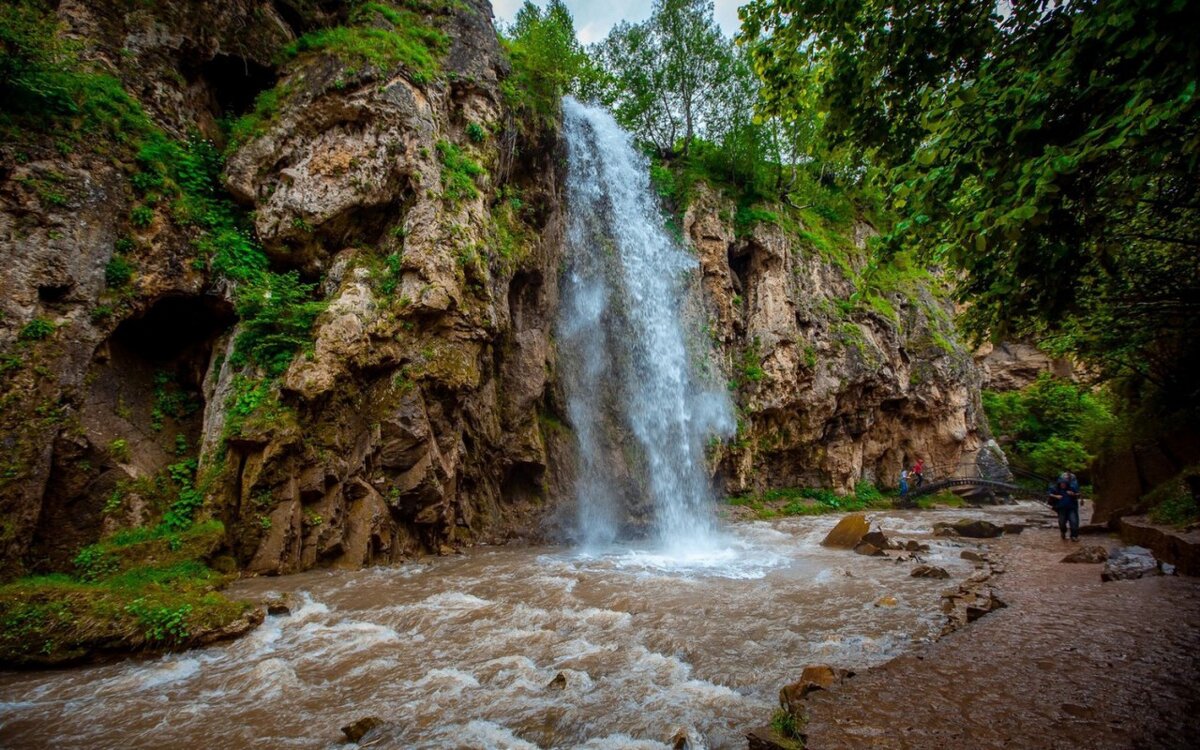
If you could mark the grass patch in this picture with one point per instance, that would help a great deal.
(811, 501)
(380, 37)
(143, 589)
(940, 500)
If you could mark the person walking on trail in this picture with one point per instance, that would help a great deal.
(1065, 501)
(904, 484)
(918, 472)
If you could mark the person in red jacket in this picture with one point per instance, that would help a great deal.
(918, 474)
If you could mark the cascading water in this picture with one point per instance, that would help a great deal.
(634, 400)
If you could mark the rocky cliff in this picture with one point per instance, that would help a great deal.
(294, 266)
(842, 373)
(387, 190)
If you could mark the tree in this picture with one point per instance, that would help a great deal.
(666, 74)
(1050, 153)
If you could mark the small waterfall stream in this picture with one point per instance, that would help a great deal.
(634, 401)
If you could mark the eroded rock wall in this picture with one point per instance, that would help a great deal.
(829, 393)
(420, 415)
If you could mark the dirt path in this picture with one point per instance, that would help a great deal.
(1071, 663)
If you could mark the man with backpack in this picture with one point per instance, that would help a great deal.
(1063, 496)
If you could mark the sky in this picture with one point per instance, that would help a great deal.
(593, 18)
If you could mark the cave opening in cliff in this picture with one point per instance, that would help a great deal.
(142, 410)
(236, 82)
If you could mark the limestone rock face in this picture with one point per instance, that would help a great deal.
(1010, 366)
(421, 414)
(834, 396)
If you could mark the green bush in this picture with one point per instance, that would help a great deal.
(117, 272)
(36, 330)
(1051, 426)
(276, 316)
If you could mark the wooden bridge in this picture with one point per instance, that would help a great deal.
(972, 487)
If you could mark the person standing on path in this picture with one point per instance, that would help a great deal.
(1065, 502)
(903, 484)
(918, 472)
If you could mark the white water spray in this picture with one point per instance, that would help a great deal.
(640, 414)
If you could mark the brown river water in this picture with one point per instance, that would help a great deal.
(458, 652)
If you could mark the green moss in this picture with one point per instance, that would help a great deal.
(458, 173)
(406, 41)
(149, 589)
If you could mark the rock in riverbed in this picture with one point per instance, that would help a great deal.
(929, 571)
(1129, 563)
(968, 528)
(848, 532)
(361, 728)
(1093, 553)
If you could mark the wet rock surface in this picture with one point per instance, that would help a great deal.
(1093, 553)
(1069, 663)
(1130, 563)
(848, 532)
(970, 528)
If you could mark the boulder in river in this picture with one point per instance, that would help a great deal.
(848, 532)
(971, 529)
(680, 740)
(868, 549)
(983, 605)
(359, 729)
(912, 545)
(973, 556)
(887, 601)
(929, 571)
(1093, 553)
(1129, 563)
(880, 540)
(558, 683)
(816, 677)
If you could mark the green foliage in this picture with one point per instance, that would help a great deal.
(119, 449)
(787, 725)
(1174, 502)
(36, 330)
(379, 37)
(476, 133)
(547, 62)
(171, 401)
(811, 501)
(141, 587)
(188, 500)
(458, 173)
(117, 272)
(161, 623)
(1049, 426)
(1047, 154)
(95, 562)
(942, 499)
(277, 316)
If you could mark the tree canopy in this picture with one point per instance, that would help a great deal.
(1046, 151)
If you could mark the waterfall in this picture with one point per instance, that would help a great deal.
(641, 416)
